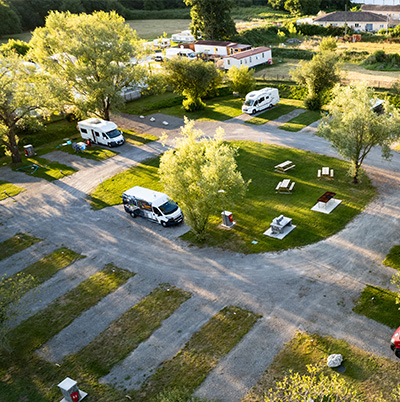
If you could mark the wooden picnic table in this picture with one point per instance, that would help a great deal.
(285, 186)
(325, 173)
(284, 166)
(325, 198)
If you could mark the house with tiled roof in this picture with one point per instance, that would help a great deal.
(357, 20)
(390, 12)
(249, 58)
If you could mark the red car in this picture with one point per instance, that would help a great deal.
(395, 343)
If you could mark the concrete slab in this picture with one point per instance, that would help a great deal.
(286, 230)
(326, 208)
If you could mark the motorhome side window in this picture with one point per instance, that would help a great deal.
(97, 134)
(83, 130)
(104, 136)
(262, 99)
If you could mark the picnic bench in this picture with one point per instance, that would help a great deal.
(285, 187)
(325, 173)
(325, 198)
(284, 166)
(280, 223)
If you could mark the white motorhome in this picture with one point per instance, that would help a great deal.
(100, 131)
(260, 100)
(152, 205)
(180, 52)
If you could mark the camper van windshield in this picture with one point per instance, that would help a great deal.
(169, 207)
(114, 133)
(249, 102)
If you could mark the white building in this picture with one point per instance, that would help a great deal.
(391, 12)
(249, 58)
(183, 37)
(379, 2)
(219, 48)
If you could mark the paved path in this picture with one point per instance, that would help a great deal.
(310, 288)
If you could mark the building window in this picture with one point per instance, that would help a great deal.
(240, 61)
(229, 62)
(250, 59)
(263, 55)
(381, 26)
(357, 25)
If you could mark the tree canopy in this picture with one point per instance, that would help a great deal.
(211, 19)
(354, 128)
(89, 57)
(194, 172)
(241, 80)
(193, 79)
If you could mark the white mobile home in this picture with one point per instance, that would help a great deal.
(249, 58)
(183, 37)
(219, 48)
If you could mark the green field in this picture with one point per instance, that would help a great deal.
(301, 121)
(253, 215)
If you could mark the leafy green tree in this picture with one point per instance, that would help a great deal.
(195, 170)
(73, 6)
(313, 386)
(18, 46)
(22, 92)
(11, 289)
(10, 22)
(211, 19)
(319, 75)
(302, 7)
(328, 44)
(153, 5)
(88, 56)
(277, 4)
(241, 80)
(192, 79)
(354, 128)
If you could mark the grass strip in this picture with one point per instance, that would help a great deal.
(92, 152)
(379, 305)
(109, 192)
(271, 114)
(301, 121)
(36, 330)
(393, 258)
(135, 138)
(369, 374)
(191, 365)
(47, 169)
(9, 190)
(15, 244)
(128, 331)
(46, 267)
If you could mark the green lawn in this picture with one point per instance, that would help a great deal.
(369, 374)
(301, 121)
(379, 305)
(189, 368)
(393, 258)
(9, 190)
(284, 106)
(15, 244)
(254, 214)
(135, 138)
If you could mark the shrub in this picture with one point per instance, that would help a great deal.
(302, 54)
(260, 35)
(192, 105)
(313, 102)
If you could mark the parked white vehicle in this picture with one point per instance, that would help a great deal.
(100, 131)
(152, 205)
(260, 100)
(181, 52)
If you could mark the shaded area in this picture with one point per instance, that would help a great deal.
(15, 244)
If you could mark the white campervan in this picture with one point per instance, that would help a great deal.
(152, 205)
(101, 132)
(260, 100)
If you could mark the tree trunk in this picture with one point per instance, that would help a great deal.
(356, 171)
(106, 110)
(13, 146)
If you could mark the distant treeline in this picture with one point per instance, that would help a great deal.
(23, 15)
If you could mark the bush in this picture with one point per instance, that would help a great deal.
(311, 30)
(192, 105)
(313, 102)
(260, 36)
(301, 54)
(353, 56)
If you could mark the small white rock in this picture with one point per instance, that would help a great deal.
(335, 360)
(165, 123)
(141, 117)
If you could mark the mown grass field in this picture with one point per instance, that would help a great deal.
(369, 374)
(301, 121)
(8, 189)
(254, 214)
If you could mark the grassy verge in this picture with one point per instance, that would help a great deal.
(47, 169)
(110, 191)
(379, 305)
(371, 375)
(301, 121)
(253, 215)
(191, 365)
(126, 333)
(393, 258)
(272, 114)
(9, 190)
(135, 138)
(15, 244)
(42, 326)
(46, 267)
(93, 152)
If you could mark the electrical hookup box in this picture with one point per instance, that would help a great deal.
(227, 219)
(70, 391)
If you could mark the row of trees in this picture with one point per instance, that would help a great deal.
(308, 7)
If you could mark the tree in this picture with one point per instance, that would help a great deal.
(14, 45)
(10, 22)
(277, 4)
(241, 80)
(22, 92)
(211, 19)
(88, 56)
(313, 386)
(302, 7)
(73, 6)
(328, 44)
(354, 128)
(11, 289)
(193, 173)
(319, 75)
(193, 79)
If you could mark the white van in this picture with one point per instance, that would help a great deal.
(152, 205)
(260, 100)
(180, 52)
(100, 131)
